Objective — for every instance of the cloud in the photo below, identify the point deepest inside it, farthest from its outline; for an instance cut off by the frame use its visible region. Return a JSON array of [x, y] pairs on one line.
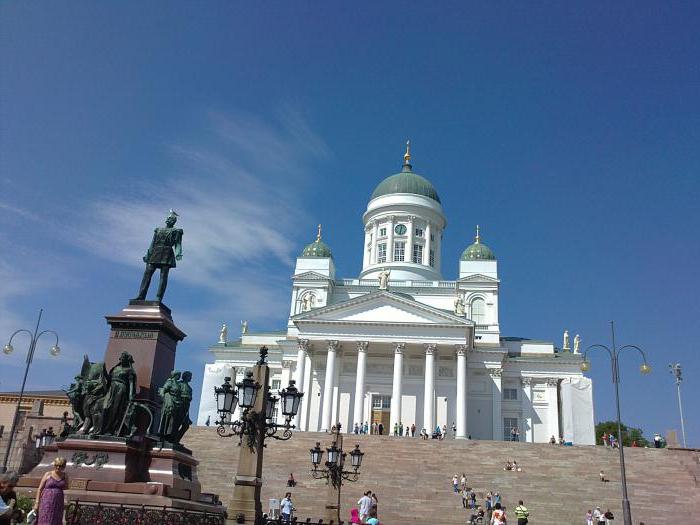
[[26, 214], [238, 196]]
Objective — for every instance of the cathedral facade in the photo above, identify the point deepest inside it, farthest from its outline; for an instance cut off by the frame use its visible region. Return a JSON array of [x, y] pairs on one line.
[[401, 345]]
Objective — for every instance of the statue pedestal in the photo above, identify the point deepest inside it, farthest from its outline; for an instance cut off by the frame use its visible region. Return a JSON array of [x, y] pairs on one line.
[[127, 471], [146, 330]]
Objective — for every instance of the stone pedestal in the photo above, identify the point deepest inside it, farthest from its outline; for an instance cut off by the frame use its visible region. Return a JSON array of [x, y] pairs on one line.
[[146, 330]]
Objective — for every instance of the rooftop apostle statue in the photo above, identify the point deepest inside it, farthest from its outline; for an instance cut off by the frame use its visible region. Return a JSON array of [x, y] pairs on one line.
[[165, 249]]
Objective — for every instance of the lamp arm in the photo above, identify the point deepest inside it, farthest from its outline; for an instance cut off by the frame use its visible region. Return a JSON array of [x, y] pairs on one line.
[[47, 332], [585, 353], [18, 331], [635, 347]]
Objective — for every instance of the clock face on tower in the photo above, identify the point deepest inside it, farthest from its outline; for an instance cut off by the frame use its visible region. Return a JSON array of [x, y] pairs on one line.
[[400, 229]]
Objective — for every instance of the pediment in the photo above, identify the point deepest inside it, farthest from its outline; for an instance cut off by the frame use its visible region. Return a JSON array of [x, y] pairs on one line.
[[381, 307], [310, 276], [477, 277]]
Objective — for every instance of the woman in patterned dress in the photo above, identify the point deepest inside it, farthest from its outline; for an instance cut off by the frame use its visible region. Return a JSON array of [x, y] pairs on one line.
[[49, 496]]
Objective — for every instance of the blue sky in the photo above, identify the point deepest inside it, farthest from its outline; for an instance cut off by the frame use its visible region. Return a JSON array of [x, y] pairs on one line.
[[568, 132]]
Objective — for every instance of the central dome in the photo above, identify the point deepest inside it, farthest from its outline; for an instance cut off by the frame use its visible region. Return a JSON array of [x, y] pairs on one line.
[[406, 182]]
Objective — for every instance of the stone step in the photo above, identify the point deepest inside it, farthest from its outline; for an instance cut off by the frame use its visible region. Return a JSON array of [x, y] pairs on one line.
[[412, 477]]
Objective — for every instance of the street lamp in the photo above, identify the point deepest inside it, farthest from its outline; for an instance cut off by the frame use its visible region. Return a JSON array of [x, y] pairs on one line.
[[256, 423], [8, 349], [677, 372], [614, 353], [335, 471]]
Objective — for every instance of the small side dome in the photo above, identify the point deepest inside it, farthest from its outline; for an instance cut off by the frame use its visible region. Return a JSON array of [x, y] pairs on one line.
[[478, 251], [318, 248]]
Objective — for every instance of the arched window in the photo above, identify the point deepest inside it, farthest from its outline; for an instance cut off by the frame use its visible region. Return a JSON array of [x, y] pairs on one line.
[[479, 311]]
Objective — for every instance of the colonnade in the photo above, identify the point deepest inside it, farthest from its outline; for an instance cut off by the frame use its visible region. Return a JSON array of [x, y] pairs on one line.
[[358, 413]]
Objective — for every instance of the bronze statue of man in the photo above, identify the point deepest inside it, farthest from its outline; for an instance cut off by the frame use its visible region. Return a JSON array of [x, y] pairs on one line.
[[165, 249]]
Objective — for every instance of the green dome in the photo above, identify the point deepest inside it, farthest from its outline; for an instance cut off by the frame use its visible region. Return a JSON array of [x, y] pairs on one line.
[[317, 249], [478, 251], [406, 182]]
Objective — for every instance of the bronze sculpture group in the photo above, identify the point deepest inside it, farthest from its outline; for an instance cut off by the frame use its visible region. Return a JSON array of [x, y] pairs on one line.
[[104, 403]]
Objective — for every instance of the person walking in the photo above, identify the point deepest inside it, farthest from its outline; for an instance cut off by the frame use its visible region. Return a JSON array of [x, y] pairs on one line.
[[396, 429], [465, 497], [365, 429], [365, 502], [463, 481], [413, 430], [521, 513], [286, 508], [589, 517], [498, 517], [380, 427], [49, 496], [455, 484]]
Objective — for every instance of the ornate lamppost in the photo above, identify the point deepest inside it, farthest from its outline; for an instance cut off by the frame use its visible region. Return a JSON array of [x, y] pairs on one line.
[[335, 471], [614, 353], [256, 424], [8, 349]]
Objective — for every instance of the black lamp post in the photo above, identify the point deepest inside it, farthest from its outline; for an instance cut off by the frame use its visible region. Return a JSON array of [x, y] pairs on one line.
[[251, 424], [614, 353], [334, 470], [8, 349]]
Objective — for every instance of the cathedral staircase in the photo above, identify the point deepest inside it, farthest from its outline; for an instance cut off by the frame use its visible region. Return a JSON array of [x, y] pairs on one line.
[[413, 478]]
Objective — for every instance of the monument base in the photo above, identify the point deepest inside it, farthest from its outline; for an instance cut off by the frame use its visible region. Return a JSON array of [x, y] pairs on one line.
[[126, 471]]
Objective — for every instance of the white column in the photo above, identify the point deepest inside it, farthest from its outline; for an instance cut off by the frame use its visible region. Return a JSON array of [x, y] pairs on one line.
[[358, 411], [553, 407], [286, 375], [527, 431], [306, 386], [303, 348], [328, 387], [428, 245], [497, 395], [390, 241], [461, 416], [409, 240], [375, 234], [396, 390], [429, 392]]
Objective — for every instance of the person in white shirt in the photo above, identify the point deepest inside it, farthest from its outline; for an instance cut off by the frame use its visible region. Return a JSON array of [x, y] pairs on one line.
[[365, 503], [286, 508]]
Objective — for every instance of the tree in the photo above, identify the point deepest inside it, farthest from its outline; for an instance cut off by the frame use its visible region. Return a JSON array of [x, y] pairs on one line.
[[629, 434]]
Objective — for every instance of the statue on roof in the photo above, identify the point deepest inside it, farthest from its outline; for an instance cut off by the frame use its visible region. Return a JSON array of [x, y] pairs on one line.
[[459, 306], [165, 250], [577, 344], [244, 327], [223, 334], [384, 279], [566, 346]]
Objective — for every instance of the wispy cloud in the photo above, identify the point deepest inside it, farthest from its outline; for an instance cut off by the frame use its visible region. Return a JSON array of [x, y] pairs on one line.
[[238, 196], [26, 214]]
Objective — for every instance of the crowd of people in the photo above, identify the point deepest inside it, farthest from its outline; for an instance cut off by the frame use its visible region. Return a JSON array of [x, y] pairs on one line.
[[401, 430], [598, 517], [492, 511]]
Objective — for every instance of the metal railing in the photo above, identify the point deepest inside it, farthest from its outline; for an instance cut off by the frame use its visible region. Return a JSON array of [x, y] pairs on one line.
[[80, 513]]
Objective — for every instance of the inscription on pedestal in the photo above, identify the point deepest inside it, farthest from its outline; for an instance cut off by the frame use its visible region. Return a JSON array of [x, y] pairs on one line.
[[134, 334]]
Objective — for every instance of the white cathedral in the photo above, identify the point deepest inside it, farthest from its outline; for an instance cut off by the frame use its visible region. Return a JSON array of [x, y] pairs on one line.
[[399, 344]]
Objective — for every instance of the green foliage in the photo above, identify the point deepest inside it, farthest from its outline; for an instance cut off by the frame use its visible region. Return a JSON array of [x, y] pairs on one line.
[[628, 434], [25, 504]]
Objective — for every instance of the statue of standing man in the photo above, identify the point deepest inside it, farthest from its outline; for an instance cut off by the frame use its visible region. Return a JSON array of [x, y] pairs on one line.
[[165, 249]]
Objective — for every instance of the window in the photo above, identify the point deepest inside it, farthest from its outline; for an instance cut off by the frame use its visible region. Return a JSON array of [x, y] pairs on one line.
[[419, 232], [382, 232], [479, 311], [510, 394], [381, 252], [276, 383], [510, 423], [445, 371], [432, 258], [418, 253], [380, 402], [399, 251]]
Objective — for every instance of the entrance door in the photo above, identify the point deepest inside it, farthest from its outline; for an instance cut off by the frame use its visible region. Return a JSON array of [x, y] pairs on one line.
[[381, 411]]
